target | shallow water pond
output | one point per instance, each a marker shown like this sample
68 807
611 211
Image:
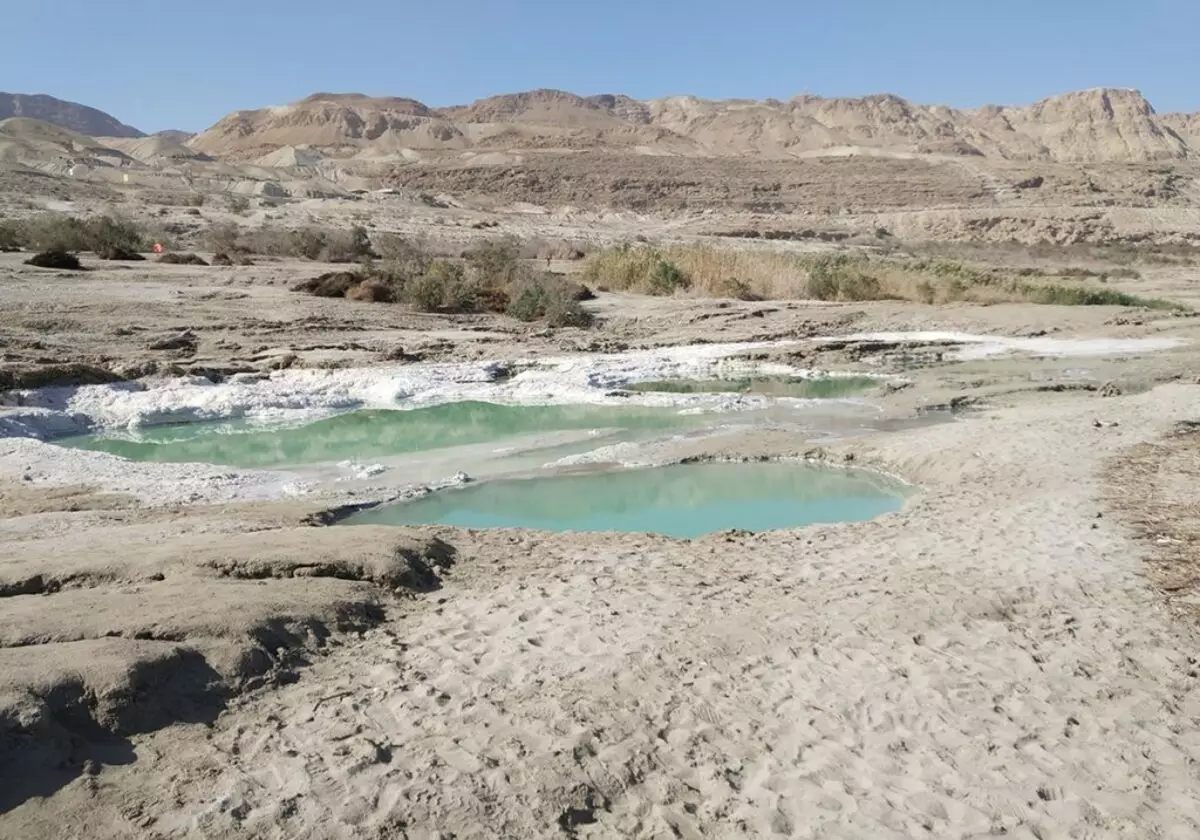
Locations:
371 434
678 501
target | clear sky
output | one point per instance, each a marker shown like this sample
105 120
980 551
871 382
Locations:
160 64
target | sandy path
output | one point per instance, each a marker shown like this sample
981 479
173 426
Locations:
988 662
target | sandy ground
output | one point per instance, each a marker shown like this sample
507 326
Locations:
1009 655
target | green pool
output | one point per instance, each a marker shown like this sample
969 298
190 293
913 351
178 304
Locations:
678 501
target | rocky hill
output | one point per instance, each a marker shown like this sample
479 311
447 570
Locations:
1102 125
64 114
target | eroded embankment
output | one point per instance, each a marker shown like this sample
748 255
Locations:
102 638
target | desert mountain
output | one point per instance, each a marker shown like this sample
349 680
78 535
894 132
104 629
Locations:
64 114
30 141
155 149
338 123
1102 125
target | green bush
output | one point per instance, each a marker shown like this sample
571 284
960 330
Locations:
443 287
404 257
58 233
1083 296
859 286
494 263
666 278
106 234
823 283
541 295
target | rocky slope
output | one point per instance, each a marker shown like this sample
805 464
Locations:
1102 125
64 114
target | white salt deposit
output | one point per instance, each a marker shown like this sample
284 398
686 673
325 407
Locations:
985 346
292 396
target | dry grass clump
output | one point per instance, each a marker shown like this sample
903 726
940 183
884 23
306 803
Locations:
829 276
490 277
1153 488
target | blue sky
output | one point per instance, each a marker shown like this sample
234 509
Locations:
173 64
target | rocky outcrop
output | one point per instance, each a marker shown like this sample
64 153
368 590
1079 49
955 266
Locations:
1102 125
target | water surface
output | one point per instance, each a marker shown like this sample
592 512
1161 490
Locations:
679 501
370 434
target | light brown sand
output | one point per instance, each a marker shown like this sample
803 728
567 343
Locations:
989 662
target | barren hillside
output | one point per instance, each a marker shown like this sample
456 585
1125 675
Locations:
1103 125
64 114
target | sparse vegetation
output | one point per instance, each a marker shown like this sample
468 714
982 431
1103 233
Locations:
10 235
106 236
347 246
174 199
833 276
488 278
172 258
309 243
55 259
223 259
237 203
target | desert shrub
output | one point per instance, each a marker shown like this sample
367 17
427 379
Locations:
643 270
333 284
403 257
51 232
343 246
172 258
106 233
115 252
559 249
1083 296
859 286
237 203
443 287
831 276
12 235
666 278
843 277
823 282
224 239
174 199
454 287
494 262
267 241
224 259
308 243
373 290
100 234
55 259
622 269
541 295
